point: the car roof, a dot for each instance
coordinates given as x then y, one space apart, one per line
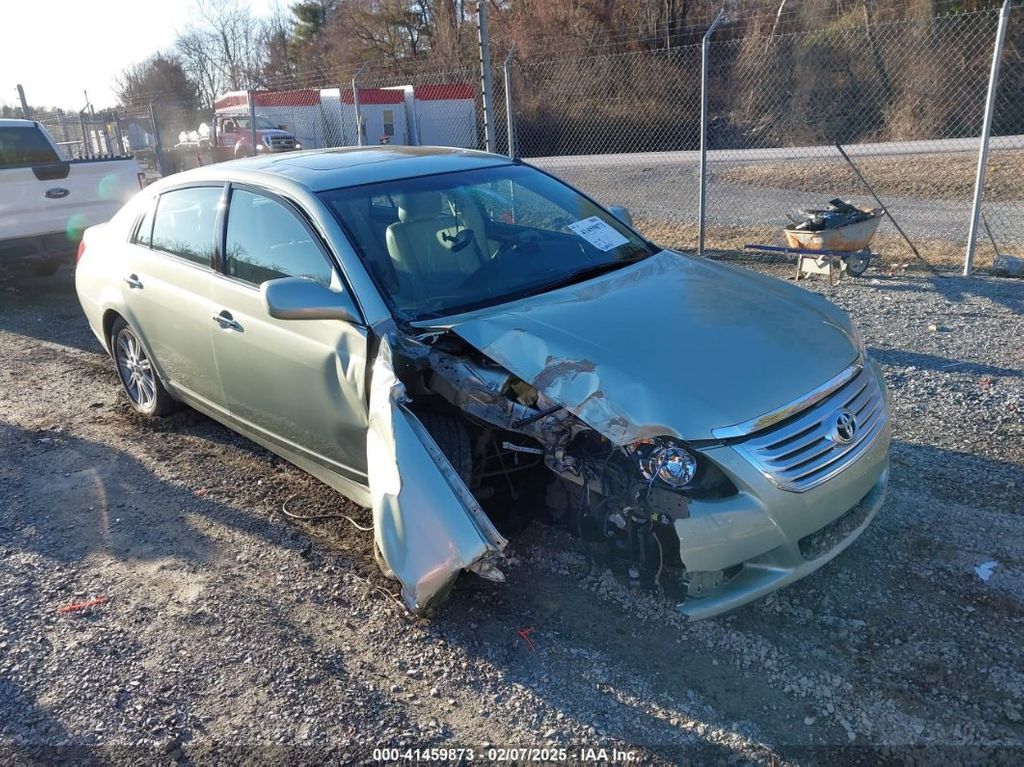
322 169
16 123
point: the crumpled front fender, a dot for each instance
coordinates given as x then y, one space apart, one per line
428 527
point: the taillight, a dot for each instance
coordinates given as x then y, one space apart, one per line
81 251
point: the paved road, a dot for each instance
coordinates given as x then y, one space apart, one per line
664 186
782 154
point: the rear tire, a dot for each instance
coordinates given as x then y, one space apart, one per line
138 375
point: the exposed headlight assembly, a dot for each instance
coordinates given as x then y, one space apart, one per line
668 462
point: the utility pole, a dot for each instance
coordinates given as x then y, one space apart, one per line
485 74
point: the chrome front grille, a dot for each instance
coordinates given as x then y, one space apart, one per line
811 447
282 143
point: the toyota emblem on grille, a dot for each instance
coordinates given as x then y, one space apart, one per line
845 428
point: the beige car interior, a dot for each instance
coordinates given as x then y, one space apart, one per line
420 244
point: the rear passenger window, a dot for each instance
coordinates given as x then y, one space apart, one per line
25 145
185 223
144 234
266 241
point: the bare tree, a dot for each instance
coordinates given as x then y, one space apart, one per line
225 49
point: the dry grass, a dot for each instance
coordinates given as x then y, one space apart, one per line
891 248
938 177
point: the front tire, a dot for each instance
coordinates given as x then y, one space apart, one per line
451 436
139 378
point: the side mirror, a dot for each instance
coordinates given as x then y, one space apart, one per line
622 214
294 298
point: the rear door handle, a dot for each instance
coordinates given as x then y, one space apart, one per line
226 321
133 282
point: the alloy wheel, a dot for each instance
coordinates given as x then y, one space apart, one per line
135 369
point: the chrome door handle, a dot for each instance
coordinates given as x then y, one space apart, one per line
226 321
133 282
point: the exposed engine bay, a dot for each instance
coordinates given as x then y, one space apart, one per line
523 455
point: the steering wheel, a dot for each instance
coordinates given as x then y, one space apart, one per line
459 240
518 245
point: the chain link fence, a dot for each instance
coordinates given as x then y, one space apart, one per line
906 101
86 134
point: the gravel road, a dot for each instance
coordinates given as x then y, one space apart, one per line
229 633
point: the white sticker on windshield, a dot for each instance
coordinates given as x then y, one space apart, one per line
598 233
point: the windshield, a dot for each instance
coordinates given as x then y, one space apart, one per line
262 123
442 244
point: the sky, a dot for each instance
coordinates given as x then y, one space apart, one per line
58 48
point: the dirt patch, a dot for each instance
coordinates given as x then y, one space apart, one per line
928 176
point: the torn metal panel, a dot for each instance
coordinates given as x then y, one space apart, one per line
427 525
665 347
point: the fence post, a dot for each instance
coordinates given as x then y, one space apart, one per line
485 74
86 140
355 103
119 136
506 69
705 50
986 131
251 96
158 149
25 111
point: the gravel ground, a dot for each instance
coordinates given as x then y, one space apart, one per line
230 634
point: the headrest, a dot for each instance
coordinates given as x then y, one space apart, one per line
418 205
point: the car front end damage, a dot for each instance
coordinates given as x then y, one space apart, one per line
712 517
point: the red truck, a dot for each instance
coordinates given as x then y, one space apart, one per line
235 137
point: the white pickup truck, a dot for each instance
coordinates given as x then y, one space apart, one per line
47 201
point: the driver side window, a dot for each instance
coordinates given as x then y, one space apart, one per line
266 241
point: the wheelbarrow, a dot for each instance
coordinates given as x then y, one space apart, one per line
847 238
828 262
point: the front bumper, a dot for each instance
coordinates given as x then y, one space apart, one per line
743 547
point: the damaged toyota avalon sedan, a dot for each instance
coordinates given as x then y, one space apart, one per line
462 342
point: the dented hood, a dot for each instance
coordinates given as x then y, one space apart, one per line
670 346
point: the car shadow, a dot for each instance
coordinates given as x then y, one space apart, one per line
45 308
69 498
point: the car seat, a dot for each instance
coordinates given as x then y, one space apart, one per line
420 246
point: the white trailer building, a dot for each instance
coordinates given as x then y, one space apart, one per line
443 115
